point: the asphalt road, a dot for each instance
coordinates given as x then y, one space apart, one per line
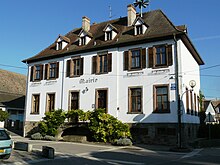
86 154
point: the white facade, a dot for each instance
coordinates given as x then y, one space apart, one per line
117 83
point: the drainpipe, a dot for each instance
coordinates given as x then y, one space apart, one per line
179 134
62 84
25 107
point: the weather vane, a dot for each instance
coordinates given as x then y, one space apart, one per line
141 4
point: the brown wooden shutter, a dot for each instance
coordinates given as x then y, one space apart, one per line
126 60
41 71
68 68
143 56
169 54
46 72
32 73
57 70
81 65
151 57
109 62
94 64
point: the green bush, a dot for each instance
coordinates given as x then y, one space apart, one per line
3 115
77 115
106 128
51 122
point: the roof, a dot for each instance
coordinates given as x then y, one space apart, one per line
215 103
159 28
12 89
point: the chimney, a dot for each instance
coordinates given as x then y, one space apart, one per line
86 23
131 14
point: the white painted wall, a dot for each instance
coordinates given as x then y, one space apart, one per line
189 70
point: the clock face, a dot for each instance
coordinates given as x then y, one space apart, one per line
192 83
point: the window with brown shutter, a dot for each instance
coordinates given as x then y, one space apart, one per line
51 71
32 74
102 63
160 56
50 102
135 59
36 73
46 77
35 104
74 67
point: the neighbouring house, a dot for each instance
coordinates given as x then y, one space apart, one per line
135 67
12 99
212 111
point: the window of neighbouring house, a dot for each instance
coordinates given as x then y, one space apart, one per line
102 63
74 100
35 104
50 102
161 99
36 73
160 56
135 100
74 67
52 70
135 59
102 99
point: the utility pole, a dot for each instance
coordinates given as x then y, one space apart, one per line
179 134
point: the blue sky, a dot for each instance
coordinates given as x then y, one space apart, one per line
29 26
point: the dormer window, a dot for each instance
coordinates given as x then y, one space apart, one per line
85 37
83 40
62 42
110 32
59 45
109 35
139 26
139 29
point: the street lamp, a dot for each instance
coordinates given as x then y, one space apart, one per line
192 84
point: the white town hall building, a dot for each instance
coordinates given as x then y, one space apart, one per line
132 66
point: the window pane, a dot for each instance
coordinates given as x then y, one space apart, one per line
161 56
74 100
136 103
162 98
135 59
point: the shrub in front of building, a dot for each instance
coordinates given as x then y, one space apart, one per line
51 122
106 128
3 115
102 126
